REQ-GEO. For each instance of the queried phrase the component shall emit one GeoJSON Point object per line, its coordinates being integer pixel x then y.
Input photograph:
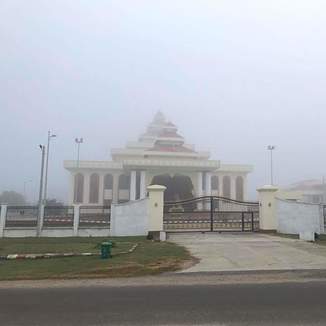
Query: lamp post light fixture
{"type": "Point", "coordinates": [78, 141]}
{"type": "Point", "coordinates": [50, 136]}
{"type": "Point", "coordinates": [271, 148]}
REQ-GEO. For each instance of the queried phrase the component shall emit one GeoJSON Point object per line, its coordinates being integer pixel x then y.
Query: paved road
{"type": "Point", "coordinates": [224, 304]}
{"type": "Point", "coordinates": [250, 251]}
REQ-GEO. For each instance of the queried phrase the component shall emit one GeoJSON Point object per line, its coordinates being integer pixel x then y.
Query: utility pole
{"type": "Point", "coordinates": [40, 199]}
{"type": "Point", "coordinates": [50, 135]}
{"type": "Point", "coordinates": [271, 148]}
{"type": "Point", "coordinates": [78, 141]}
{"type": "Point", "coordinates": [324, 190]}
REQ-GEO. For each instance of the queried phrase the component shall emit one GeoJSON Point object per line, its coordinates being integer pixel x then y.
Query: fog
{"type": "Point", "coordinates": [234, 76]}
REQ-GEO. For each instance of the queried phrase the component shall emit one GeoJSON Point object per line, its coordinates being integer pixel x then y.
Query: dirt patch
{"type": "Point", "coordinates": [189, 263]}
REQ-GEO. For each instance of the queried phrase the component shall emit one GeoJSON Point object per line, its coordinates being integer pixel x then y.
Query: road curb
{"type": "Point", "coordinates": [61, 255]}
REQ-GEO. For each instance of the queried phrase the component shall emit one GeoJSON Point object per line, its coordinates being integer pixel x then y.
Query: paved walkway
{"type": "Point", "coordinates": [248, 251]}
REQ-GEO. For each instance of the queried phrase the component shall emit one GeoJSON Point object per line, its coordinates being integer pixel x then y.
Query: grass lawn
{"type": "Point", "coordinates": [148, 259]}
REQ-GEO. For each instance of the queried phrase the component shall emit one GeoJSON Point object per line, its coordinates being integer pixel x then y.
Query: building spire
{"type": "Point", "coordinates": [159, 117]}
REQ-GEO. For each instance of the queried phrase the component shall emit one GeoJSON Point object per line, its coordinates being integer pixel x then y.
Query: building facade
{"type": "Point", "coordinates": [309, 191]}
{"type": "Point", "coordinates": [160, 156]}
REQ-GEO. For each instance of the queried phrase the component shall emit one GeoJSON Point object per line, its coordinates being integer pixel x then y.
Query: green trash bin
{"type": "Point", "coordinates": [106, 250]}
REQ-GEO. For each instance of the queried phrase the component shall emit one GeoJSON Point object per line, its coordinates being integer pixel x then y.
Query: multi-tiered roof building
{"type": "Point", "coordinates": [160, 156]}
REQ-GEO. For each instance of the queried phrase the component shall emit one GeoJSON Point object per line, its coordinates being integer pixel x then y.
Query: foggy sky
{"type": "Point", "coordinates": [235, 76]}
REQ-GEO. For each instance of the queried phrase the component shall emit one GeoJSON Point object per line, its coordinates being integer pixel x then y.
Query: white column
{"type": "Point", "coordinates": [233, 186]}
{"type": "Point", "coordinates": [220, 185]}
{"type": "Point", "coordinates": [86, 188]}
{"type": "Point", "coordinates": [133, 178]}
{"type": "Point", "coordinates": [208, 190]}
{"type": "Point", "coordinates": [72, 189]}
{"type": "Point", "coordinates": [3, 215]}
{"type": "Point", "coordinates": [115, 190]}
{"type": "Point", "coordinates": [76, 219]}
{"type": "Point", "coordinates": [200, 190]}
{"type": "Point", "coordinates": [200, 184]}
{"type": "Point", "coordinates": [101, 190]}
{"type": "Point", "coordinates": [245, 188]}
{"type": "Point", "coordinates": [142, 184]}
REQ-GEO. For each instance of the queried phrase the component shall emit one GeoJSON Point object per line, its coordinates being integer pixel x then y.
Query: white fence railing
{"type": "Point", "coordinates": [54, 220]}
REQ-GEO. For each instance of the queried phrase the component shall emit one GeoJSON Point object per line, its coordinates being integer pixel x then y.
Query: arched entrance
{"type": "Point", "coordinates": [179, 187]}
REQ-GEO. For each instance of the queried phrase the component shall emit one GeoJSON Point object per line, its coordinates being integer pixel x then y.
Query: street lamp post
{"type": "Point", "coordinates": [271, 148]}
{"type": "Point", "coordinates": [40, 199]}
{"type": "Point", "coordinates": [50, 135]}
{"type": "Point", "coordinates": [78, 141]}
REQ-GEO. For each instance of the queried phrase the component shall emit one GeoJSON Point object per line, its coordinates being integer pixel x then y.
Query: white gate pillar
{"type": "Point", "coordinates": [267, 209]}
{"type": "Point", "coordinates": [3, 215]}
{"type": "Point", "coordinates": [156, 209]}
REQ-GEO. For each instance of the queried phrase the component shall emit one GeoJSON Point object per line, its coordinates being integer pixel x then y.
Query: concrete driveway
{"type": "Point", "coordinates": [250, 251]}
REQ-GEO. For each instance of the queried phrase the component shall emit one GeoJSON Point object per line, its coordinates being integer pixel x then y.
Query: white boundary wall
{"type": "Point", "coordinates": [134, 218]}
{"type": "Point", "coordinates": [297, 217]}
{"type": "Point", "coordinates": [130, 219]}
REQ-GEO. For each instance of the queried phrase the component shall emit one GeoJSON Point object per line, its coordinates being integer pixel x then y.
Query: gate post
{"type": "Point", "coordinates": [212, 213]}
{"type": "Point", "coordinates": [252, 222]}
{"type": "Point", "coordinates": [3, 215]}
{"type": "Point", "coordinates": [267, 211]}
{"type": "Point", "coordinates": [156, 210]}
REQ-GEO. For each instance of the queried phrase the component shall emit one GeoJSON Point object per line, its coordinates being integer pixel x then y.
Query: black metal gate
{"type": "Point", "coordinates": [211, 213]}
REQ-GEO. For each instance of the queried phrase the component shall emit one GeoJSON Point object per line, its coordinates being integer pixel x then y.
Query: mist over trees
{"type": "Point", "coordinates": [12, 198]}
